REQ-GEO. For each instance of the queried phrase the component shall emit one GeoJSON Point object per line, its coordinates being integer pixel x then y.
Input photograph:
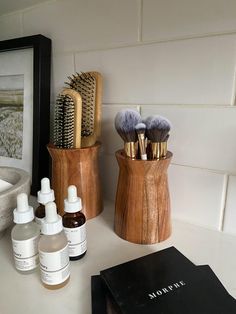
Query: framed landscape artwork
{"type": "Point", "coordinates": [25, 105]}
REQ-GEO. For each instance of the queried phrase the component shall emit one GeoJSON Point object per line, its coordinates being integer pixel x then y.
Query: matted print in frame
{"type": "Point", "coordinates": [25, 105]}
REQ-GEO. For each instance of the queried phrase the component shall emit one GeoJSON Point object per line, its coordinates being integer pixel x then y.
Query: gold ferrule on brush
{"type": "Point", "coordinates": [163, 149]}
{"type": "Point", "coordinates": [155, 150]}
{"type": "Point", "coordinates": [142, 146]}
{"type": "Point", "coordinates": [130, 149]}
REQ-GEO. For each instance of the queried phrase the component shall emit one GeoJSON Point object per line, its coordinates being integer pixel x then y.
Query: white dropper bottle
{"type": "Point", "coordinates": [53, 250]}
{"type": "Point", "coordinates": [25, 236]}
{"type": "Point", "coordinates": [45, 195]}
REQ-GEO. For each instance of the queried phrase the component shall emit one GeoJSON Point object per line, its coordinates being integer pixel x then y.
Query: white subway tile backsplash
{"type": "Point", "coordinates": [196, 195]}
{"type": "Point", "coordinates": [75, 25]}
{"type": "Point", "coordinates": [201, 136]}
{"type": "Point", "coordinates": [175, 19]}
{"type": "Point", "coordinates": [62, 67]}
{"type": "Point", "coordinates": [10, 26]}
{"type": "Point", "coordinates": [230, 209]}
{"type": "Point", "coordinates": [111, 141]}
{"type": "Point", "coordinates": [109, 175]}
{"type": "Point", "coordinates": [195, 71]}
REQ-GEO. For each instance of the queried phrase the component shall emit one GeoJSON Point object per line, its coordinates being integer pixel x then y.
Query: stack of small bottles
{"type": "Point", "coordinates": [48, 239]}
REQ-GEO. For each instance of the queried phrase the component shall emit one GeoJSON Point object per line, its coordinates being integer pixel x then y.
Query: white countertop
{"type": "Point", "coordinates": [24, 294]}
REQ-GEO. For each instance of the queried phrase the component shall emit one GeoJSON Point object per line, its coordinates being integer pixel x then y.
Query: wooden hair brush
{"type": "Point", "coordinates": [67, 121]}
{"type": "Point", "coordinates": [89, 86]}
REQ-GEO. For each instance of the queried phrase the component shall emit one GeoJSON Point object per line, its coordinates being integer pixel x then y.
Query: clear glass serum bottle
{"type": "Point", "coordinates": [74, 223]}
{"type": "Point", "coordinates": [53, 250]}
{"type": "Point", "coordinates": [25, 236]}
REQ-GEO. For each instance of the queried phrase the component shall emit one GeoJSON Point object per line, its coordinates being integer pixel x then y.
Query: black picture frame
{"type": "Point", "coordinates": [41, 100]}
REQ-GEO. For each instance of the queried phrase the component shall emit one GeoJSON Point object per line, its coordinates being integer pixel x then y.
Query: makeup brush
{"type": "Point", "coordinates": [157, 130]}
{"type": "Point", "coordinates": [140, 129]}
{"type": "Point", "coordinates": [125, 122]}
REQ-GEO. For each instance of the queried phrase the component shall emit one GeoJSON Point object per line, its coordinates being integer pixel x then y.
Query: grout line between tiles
{"type": "Point", "coordinates": [233, 89]}
{"type": "Point", "coordinates": [223, 202]}
{"type": "Point", "coordinates": [154, 42]}
{"type": "Point", "coordinates": [31, 7]}
{"type": "Point", "coordinates": [216, 171]}
{"type": "Point", "coordinates": [190, 106]}
{"type": "Point", "coordinates": [21, 24]}
{"type": "Point", "coordinates": [74, 62]}
{"type": "Point", "coordinates": [140, 20]}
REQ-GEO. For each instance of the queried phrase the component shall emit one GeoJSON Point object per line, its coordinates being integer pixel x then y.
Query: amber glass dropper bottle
{"type": "Point", "coordinates": [45, 195]}
{"type": "Point", "coordinates": [74, 223]}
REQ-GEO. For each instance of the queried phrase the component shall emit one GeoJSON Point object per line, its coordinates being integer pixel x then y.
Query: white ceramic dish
{"type": "Point", "coordinates": [21, 182]}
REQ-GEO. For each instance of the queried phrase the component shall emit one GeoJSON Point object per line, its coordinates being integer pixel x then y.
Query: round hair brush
{"type": "Point", "coordinates": [125, 122]}
{"type": "Point", "coordinates": [140, 129]}
{"type": "Point", "coordinates": [157, 130]}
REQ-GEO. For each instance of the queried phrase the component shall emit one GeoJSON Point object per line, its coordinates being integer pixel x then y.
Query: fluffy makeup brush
{"type": "Point", "coordinates": [140, 129]}
{"type": "Point", "coordinates": [89, 86]}
{"type": "Point", "coordinates": [157, 131]}
{"type": "Point", "coordinates": [125, 122]}
{"type": "Point", "coordinates": [67, 121]}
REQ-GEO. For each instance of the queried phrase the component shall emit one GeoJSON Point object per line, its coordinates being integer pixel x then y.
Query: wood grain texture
{"type": "Point", "coordinates": [80, 168]}
{"type": "Point", "coordinates": [142, 208]}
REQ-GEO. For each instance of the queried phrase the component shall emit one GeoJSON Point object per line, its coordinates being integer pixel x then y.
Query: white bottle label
{"type": "Point", "coordinates": [26, 253]}
{"type": "Point", "coordinates": [55, 267]}
{"type": "Point", "coordinates": [77, 240]}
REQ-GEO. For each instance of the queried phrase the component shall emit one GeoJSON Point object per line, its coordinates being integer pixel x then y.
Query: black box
{"type": "Point", "coordinates": [164, 282]}
{"type": "Point", "coordinates": [99, 305]}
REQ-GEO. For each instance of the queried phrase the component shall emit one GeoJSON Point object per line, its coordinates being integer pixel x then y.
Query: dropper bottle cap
{"type": "Point", "coordinates": [52, 223]}
{"type": "Point", "coordinates": [72, 203]}
{"type": "Point", "coordinates": [23, 213]}
{"type": "Point", "coordinates": [46, 194]}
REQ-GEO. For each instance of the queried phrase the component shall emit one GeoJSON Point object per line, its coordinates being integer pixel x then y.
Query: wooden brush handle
{"type": "Point", "coordinates": [142, 209]}
{"type": "Point", "coordinates": [91, 140]}
{"type": "Point", "coordinates": [80, 168]}
{"type": "Point", "coordinates": [77, 100]}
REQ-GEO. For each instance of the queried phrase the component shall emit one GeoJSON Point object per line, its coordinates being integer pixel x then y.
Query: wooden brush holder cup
{"type": "Point", "coordinates": [142, 209]}
{"type": "Point", "coordinates": [77, 166]}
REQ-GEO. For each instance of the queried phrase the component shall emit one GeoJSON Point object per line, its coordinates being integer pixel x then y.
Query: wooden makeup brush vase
{"type": "Point", "coordinates": [77, 166]}
{"type": "Point", "coordinates": [142, 209]}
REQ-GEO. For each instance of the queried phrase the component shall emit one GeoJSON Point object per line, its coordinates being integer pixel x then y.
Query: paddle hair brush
{"type": "Point", "coordinates": [89, 86]}
{"type": "Point", "coordinates": [157, 130]}
{"type": "Point", "coordinates": [125, 122]}
{"type": "Point", "coordinates": [67, 120]}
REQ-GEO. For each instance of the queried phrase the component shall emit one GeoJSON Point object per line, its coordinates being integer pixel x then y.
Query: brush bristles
{"type": "Point", "coordinates": [157, 131]}
{"type": "Point", "coordinates": [157, 128]}
{"type": "Point", "coordinates": [63, 136]}
{"type": "Point", "coordinates": [125, 122]}
{"type": "Point", "coordinates": [85, 84]}
{"type": "Point", "coordinates": [140, 128]}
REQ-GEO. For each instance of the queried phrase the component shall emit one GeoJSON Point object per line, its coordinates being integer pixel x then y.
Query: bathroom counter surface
{"type": "Point", "coordinates": [24, 294]}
